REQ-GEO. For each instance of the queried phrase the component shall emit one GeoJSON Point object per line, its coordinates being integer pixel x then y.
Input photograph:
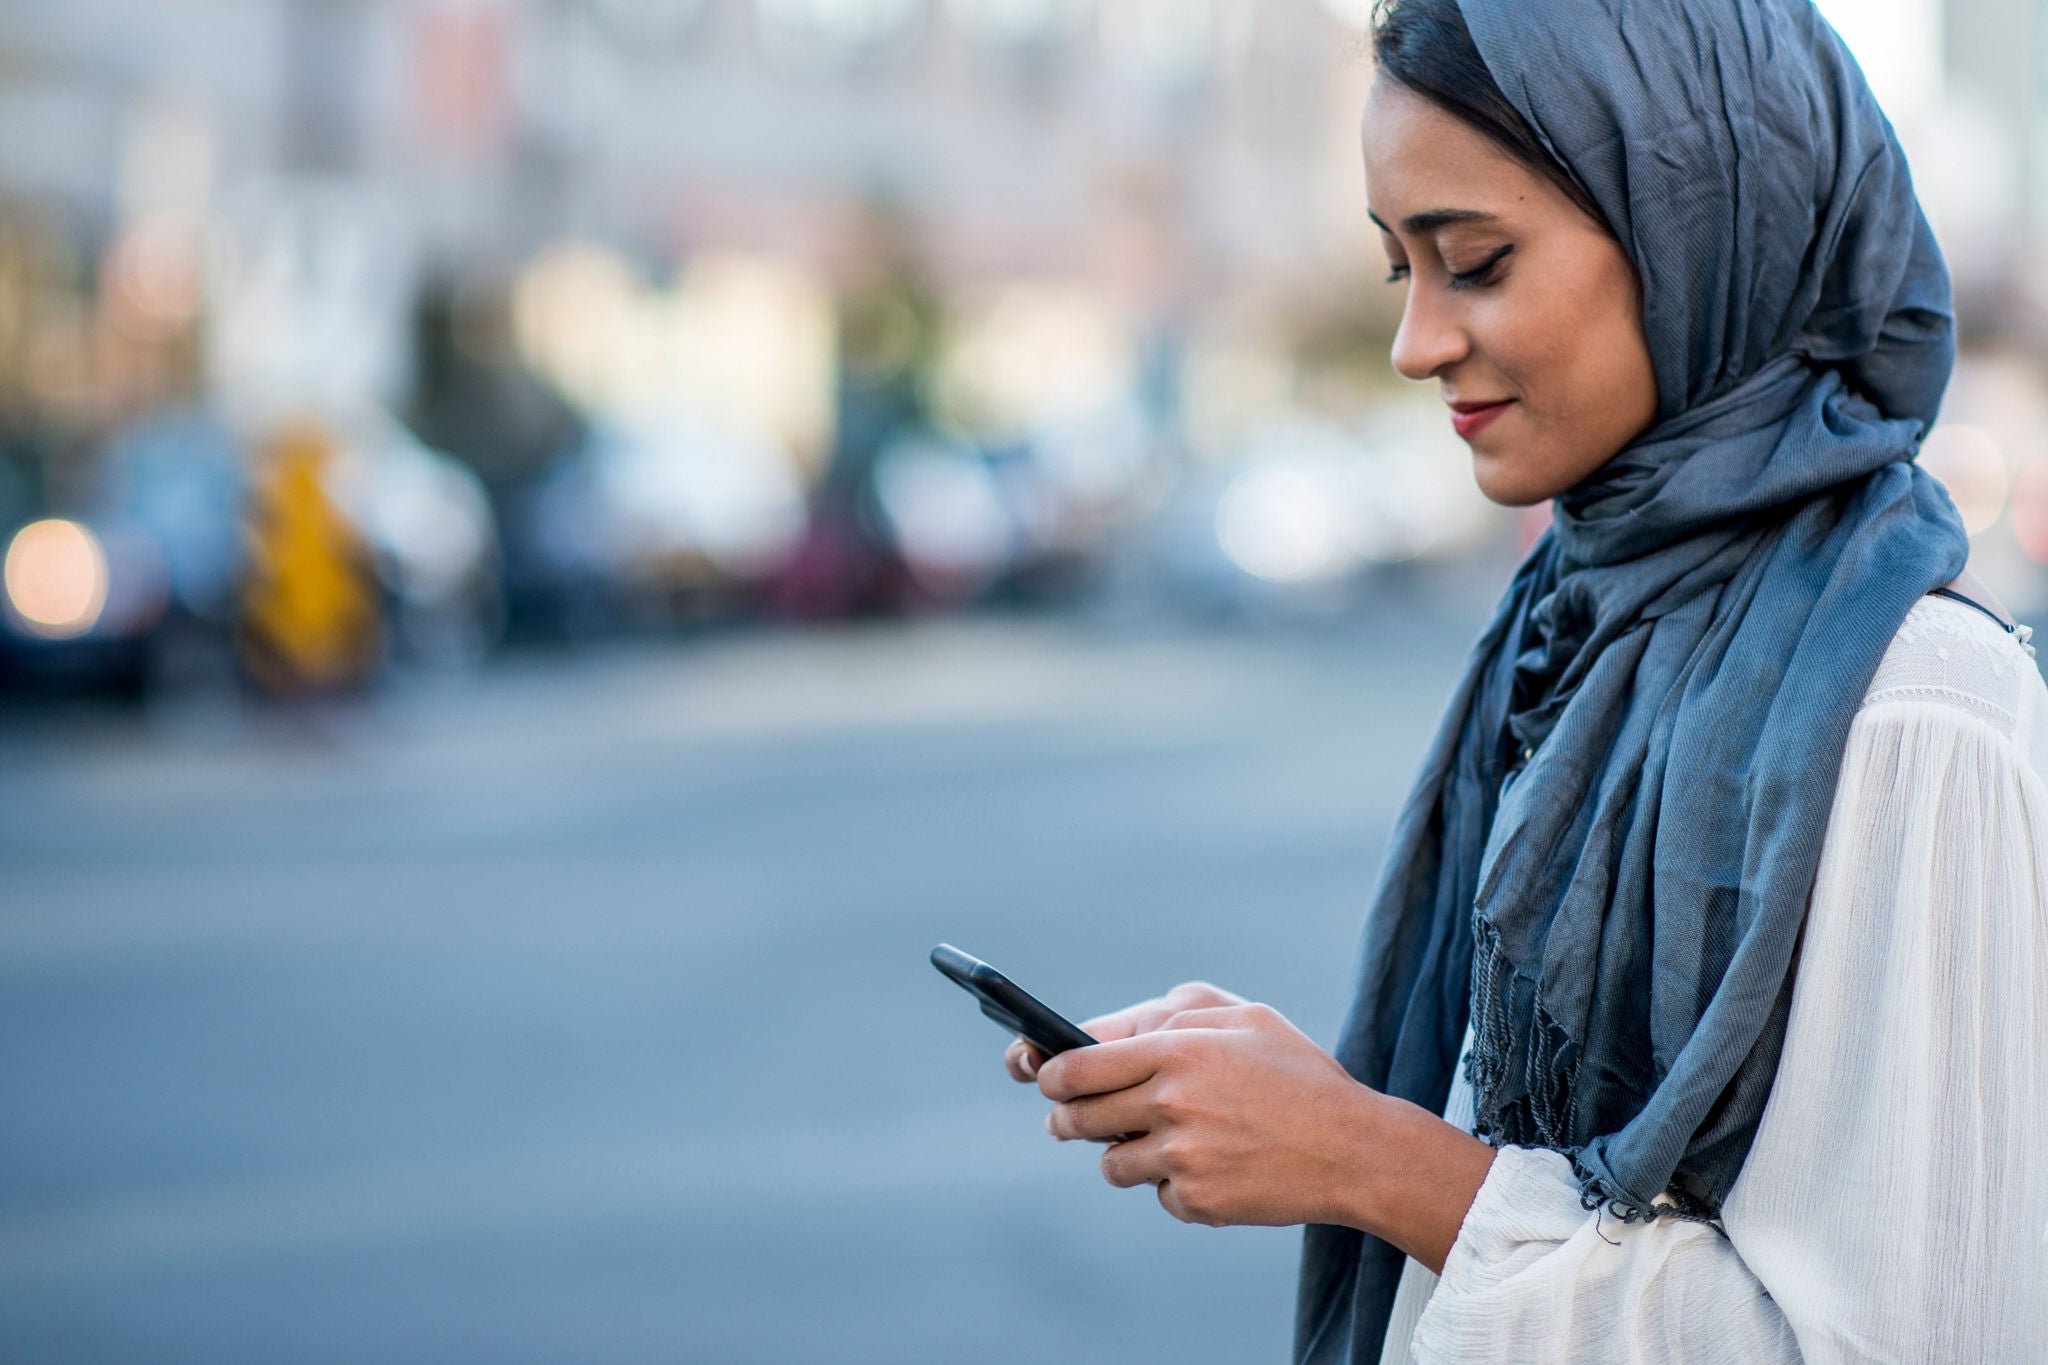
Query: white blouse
{"type": "Point", "coordinates": [1894, 1206]}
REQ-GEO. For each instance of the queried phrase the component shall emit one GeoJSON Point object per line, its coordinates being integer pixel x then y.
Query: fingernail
{"type": "Point", "coordinates": [1048, 1123]}
{"type": "Point", "coordinates": [1030, 1067]}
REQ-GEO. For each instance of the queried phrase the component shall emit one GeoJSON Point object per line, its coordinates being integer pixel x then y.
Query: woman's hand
{"type": "Point", "coordinates": [1023, 1060]}
{"type": "Point", "coordinates": [1237, 1117]}
{"type": "Point", "coordinates": [1231, 1111]}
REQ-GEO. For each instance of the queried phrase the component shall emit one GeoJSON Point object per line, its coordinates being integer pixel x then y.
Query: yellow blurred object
{"type": "Point", "coordinates": [310, 618]}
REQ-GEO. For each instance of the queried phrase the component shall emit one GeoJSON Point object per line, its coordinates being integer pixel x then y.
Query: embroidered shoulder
{"type": "Point", "coordinates": [1946, 652]}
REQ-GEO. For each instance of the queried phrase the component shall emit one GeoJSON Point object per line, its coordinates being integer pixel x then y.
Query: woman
{"type": "Point", "coordinates": [1719, 910]}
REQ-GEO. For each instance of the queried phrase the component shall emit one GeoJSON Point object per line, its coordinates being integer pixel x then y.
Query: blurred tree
{"type": "Point", "coordinates": [891, 335]}
{"type": "Point", "coordinates": [473, 396]}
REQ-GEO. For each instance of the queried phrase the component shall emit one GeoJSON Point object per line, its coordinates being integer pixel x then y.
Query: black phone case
{"type": "Point", "coordinates": [1009, 1004]}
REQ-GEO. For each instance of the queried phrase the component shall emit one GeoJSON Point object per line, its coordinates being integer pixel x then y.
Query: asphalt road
{"type": "Point", "coordinates": [581, 1012]}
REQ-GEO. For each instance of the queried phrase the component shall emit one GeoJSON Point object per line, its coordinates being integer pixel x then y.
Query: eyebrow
{"type": "Point", "coordinates": [1415, 224]}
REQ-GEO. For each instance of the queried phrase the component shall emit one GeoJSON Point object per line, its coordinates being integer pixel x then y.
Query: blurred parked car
{"type": "Point", "coordinates": [129, 585]}
{"type": "Point", "coordinates": [433, 539]}
{"type": "Point", "coordinates": [1307, 510]}
{"type": "Point", "coordinates": [141, 581]}
{"type": "Point", "coordinates": [653, 523]}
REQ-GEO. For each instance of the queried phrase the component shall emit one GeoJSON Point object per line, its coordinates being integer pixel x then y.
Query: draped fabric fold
{"type": "Point", "coordinates": [1607, 853]}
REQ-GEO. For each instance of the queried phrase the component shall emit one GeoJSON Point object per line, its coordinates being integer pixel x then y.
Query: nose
{"type": "Point", "coordinates": [1430, 339]}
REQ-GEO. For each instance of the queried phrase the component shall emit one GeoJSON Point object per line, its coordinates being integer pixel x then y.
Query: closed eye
{"type": "Point", "coordinates": [1483, 273]}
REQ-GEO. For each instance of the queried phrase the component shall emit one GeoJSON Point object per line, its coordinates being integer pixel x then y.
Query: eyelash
{"type": "Point", "coordinates": [1478, 277]}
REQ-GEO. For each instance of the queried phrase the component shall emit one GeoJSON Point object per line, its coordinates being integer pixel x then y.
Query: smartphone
{"type": "Point", "coordinates": [1009, 1004]}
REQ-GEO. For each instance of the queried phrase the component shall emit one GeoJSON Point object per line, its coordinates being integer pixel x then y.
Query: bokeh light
{"type": "Point", "coordinates": [1281, 523]}
{"type": "Point", "coordinates": [1018, 23]}
{"type": "Point", "coordinates": [1354, 13]}
{"type": "Point", "coordinates": [2029, 511]}
{"type": "Point", "coordinates": [1969, 463]}
{"type": "Point", "coordinates": [56, 576]}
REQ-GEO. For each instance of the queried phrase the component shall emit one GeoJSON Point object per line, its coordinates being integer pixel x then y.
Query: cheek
{"type": "Point", "coordinates": [1586, 378]}
{"type": "Point", "coordinates": [1579, 387]}
{"type": "Point", "coordinates": [1538, 361]}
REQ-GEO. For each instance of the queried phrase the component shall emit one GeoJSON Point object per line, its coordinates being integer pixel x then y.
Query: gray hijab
{"type": "Point", "coordinates": [1606, 857]}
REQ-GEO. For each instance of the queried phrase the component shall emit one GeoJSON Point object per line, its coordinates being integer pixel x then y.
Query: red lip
{"type": "Point", "coordinates": [1469, 419]}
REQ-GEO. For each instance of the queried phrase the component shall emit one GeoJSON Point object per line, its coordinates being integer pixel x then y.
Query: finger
{"type": "Point", "coordinates": [1123, 1023]}
{"type": "Point", "coordinates": [1215, 1016]}
{"type": "Point", "coordinates": [1201, 995]}
{"type": "Point", "coordinates": [1109, 1028]}
{"type": "Point", "coordinates": [1102, 1116]}
{"type": "Point", "coordinates": [1170, 1199]}
{"type": "Point", "coordinates": [1140, 1161]}
{"type": "Point", "coordinates": [1148, 1015]}
{"type": "Point", "coordinates": [1116, 1065]}
{"type": "Point", "coordinates": [1022, 1060]}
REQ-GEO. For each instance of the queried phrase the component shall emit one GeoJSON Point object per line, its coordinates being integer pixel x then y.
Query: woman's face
{"type": "Point", "coordinates": [1522, 308]}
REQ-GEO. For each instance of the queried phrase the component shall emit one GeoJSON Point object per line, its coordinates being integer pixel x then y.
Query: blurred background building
{"type": "Point", "coordinates": [600, 314]}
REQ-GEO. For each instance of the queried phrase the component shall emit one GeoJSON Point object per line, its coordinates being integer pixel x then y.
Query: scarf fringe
{"type": "Point", "coordinates": [1596, 1196]}
{"type": "Point", "coordinates": [1538, 1109]}
{"type": "Point", "coordinates": [1526, 1088]}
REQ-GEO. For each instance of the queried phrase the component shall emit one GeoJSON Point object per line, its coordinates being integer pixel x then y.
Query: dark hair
{"type": "Point", "coordinates": [1425, 45]}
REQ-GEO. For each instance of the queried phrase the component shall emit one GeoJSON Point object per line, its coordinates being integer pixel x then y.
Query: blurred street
{"type": "Point", "coordinates": [581, 1011]}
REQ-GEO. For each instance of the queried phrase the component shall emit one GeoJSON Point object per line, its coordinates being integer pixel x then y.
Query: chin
{"type": "Point", "coordinates": [1504, 487]}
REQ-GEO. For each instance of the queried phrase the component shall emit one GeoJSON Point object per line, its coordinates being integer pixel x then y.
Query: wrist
{"type": "Point", "coordinates": [1415, 1177]}
{"type": "Point", "coordinates": [1373, 1161]}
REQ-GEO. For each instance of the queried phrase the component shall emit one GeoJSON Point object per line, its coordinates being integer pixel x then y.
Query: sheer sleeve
{"type": "Point", "coordinates": [1894, 1206]}
{"type": "Point", "coordinates": [1896, 1199]}
{"type": "Point", "coordinates": [1533, 1277]}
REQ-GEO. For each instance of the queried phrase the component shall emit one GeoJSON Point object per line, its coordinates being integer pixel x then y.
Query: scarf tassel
{"type": "Point", "coordinates": [1539, 1107]}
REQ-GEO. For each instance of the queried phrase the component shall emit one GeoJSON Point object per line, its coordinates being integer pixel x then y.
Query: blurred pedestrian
{"type": "Point", "coordinates": [1719, 909]}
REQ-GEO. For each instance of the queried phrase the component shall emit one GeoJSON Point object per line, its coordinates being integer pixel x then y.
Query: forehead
{"type": "Point", "coordinates": [1418, 156]}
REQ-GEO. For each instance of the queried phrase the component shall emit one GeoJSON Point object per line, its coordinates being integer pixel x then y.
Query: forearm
{"type": "Point", "coordinates": [1417, 1177]}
